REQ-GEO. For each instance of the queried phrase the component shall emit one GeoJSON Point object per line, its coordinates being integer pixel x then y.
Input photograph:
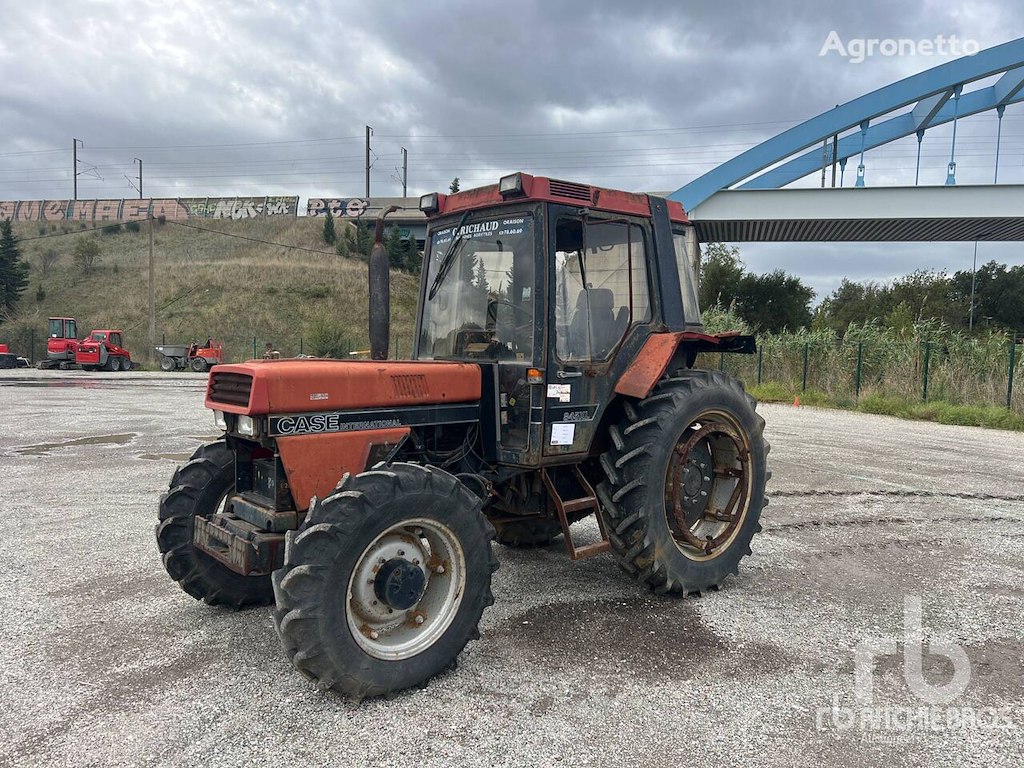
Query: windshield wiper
{"type": "Point", "coordinates": [448, 260]}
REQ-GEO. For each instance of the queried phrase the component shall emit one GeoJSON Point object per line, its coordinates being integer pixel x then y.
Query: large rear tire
{"type": "Point", "coordinates": [167, 363]}
{"type": "Point", "coordinates": [686, 474]}
{"type": "Point", "coordinates": [199, 488]}
{"type": "Point", "coordinates": [386, 582]}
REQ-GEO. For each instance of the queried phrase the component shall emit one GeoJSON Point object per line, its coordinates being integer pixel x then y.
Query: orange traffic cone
{"type": "Point", "coordinates": [796, 401]}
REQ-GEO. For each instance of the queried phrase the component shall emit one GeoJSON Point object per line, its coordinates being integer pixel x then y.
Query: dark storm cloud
{"type": "Point", "coordinates": [633, 95]}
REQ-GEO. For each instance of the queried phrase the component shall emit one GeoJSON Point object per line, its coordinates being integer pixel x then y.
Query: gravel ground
{"type": "Point", "coordinates": [106, 662]}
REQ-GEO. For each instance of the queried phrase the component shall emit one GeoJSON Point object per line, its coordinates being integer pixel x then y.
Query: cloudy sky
{"type": "Point", "coordinates": [226, 98]}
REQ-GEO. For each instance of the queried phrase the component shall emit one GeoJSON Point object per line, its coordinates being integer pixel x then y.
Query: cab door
{"type": "Point", "coordinates": [599, 306]}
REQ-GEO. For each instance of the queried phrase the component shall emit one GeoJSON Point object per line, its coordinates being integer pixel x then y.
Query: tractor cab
{"type": "Point", "coordinates": [553, 288]}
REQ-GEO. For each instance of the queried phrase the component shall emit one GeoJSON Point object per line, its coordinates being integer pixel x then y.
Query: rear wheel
{"type": "Point", "coordinates": [111, 364]}
{"type": "Point", "coordinates": [386, 582]}
{"type": "Point", "coordinates": [685, 482]}
{"type": "Point", "coordinates": [167, 363]}
{"type": "Point", "coordinates": [199, 488]}
{"type": "Point", "coordinates": [198, 365]}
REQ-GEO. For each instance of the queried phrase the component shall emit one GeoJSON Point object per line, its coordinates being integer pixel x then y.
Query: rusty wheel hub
{"type": "Point", "coordinates": [706, 486]}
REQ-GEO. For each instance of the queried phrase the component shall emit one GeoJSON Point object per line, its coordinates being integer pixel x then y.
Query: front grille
{"type": "Point", "coordinates": [409, 385]}
{"type": "Point", "coordinates": [570, 189]}
{"type": "Point", "coordinates": [230, 388]}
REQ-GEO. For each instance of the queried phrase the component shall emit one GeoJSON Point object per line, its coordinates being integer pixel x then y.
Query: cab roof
{"type": "Point", "coordinates": [546, 189]}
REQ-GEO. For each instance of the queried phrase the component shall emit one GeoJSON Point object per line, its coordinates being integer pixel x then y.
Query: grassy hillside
{"type": "Point", "coordinates": [209, 283]}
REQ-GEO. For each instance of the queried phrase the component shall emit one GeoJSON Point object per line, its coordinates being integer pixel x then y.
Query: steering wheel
{"type": "Point", "coordinates": [527, 315]}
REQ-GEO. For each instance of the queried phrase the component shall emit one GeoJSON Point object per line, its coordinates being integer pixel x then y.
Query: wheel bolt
{"type": "Point", "coordinates": [439, 569]}
{"type": "Point", "coordinates": [374, 634]}
{"type": "Point", "coordinates": [419, 619]}
{"type": "Point", "coordinates": [401, 552]}
{"type": "Point", "coordinates": [703, 493]}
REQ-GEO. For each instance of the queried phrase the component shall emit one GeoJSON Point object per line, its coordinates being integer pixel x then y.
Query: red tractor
{"type": "Point", "coordinates": [552, 378]}
{"type": "Point", "coordinates": [104, 350]}
{"type": "Point", "coordinates": [61, 343]}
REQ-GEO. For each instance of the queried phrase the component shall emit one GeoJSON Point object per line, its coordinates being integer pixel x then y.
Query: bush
{"type": "Point", "coordinates": [326, 335]}
{"type": "Point", "coordinates": [87, 254]}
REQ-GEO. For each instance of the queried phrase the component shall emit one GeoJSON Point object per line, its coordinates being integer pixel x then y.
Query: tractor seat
{"type": "Point", "coordinates": [592, 332]}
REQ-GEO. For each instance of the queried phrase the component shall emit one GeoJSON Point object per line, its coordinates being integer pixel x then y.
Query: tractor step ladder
{"type": "Point", "coordinates": [566, 507]}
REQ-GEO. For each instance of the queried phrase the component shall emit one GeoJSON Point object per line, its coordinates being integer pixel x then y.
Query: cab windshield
{"type": "Point", "coordinates": [482, 306]}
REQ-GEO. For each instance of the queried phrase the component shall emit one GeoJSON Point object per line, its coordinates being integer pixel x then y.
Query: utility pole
{"type": "Point", "coordinates": [152, 290]}
{"type": "Point", "coordinates": [74, 165]}
{"type": "Point", "coordinates": [974, 277]}
{"type": "Point", "coordinates": [369, 133]}
{"type": "Point", "coordinates": [137, 160]}
{"type": "Point", "coordinates": [405, 171]}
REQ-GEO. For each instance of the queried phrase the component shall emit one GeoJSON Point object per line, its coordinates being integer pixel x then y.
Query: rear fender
{"type": "Point", "coordinates": [661, 350]}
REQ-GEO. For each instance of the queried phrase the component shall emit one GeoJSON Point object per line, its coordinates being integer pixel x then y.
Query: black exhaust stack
{"type": "Point", "coordinates": [380, 292]}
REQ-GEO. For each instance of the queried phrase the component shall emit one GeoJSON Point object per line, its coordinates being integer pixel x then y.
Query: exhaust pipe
{"type": "Point", "coordinates": [380, 292]}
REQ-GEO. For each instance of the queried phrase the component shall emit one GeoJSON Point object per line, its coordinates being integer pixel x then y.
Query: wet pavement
{"type": "Point", "coordinates": [104, 661]}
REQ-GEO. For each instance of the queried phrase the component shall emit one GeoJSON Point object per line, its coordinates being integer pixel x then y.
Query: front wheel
{"type": "Point", "coordinates": [685, 485]}
{"type": "Point", "coordinates": [167, 363]}
{"type": "Point", "coordinates": [198, 489]}
{"type": "Point", "coordinates": [386, 582]}
{"type": "Point", "coordinates": [199, 365]}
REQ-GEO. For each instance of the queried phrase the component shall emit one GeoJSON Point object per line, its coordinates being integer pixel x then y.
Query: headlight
{"type": "Point", "coordinates": [511, 185]}
{"type": "Point", "coordinates": [220, 421]}
{"type": "Point", "coordinates": [246, 426]}
{"type": "Point", "coordinates": [429, 203]}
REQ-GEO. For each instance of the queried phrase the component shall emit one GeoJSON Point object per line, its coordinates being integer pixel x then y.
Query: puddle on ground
{"type": "Point", "coordinates": [100, 381]}
{"type": "Point", "coordinates": [43, 449]}
{"type": "Point", "coordinates": [168, 456]}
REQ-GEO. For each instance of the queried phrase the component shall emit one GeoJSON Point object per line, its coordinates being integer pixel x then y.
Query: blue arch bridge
{"type": "Point", "coordinates": [743, 200]}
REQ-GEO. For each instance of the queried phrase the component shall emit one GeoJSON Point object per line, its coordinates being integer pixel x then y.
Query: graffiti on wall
{"type": "Point", "coordinates": [352, 207]}
{"type": "Point", "coordinates": [134, 210]}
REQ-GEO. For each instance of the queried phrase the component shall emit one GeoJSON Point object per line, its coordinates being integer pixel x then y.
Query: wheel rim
{"type": "Point", "coordinates": [707, 485]}
{"type": "Point", "coordinates": [406, 589]}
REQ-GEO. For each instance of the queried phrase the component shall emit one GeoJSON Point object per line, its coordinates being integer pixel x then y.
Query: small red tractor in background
{"type": "Point", "coordinates": [553, 377]}
{"type": "Point", "coordinates": [104, 349]}
{"type": "Point", "coordinates": [61, 343]}
{"type": "Point", "coordinates": [198, 358]}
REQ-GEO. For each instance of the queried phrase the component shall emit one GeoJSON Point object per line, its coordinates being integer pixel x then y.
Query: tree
{"type": "Point", "coordinates": [721, 270]}
{"type": "Point", "coordinates": [87, 254]}
{"type": "Point", "coordinates": [454, 186]}
{"type": "Point", "coordinates": [998, 296]}
{"type": "Point", "coordinates": [13, 271]}
{"type": "Point", "coordinates": [774, 302]}
{"type": "Point", "coordinates": [330, 236]}
{"type": "Point", "coordinates": [393, 245]}
{"type": "Point", "coordinates": [48, 258]}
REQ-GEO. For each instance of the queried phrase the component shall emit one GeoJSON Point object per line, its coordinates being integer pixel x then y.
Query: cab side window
{"type": "Point", "coordinates": [600, 286]}
{"type": "Point", "coordinates": [115, 339]}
